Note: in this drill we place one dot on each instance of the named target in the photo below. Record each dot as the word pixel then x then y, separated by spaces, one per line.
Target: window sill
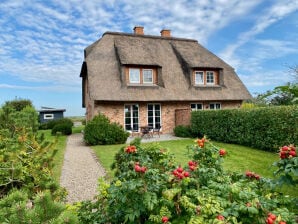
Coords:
pixel 142 85
pixel 207 86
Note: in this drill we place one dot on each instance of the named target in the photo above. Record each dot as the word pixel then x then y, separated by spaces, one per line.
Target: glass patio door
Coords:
pixel 154 115
pixel 131 117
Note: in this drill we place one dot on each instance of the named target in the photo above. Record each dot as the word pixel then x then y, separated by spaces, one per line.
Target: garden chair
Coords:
pixel 156 130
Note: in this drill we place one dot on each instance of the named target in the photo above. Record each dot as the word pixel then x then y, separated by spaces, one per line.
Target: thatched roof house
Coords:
pixel 125 72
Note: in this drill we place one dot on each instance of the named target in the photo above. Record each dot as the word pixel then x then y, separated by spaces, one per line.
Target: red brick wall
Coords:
pixel 115 112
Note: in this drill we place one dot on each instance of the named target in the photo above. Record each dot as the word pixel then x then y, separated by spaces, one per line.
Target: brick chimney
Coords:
pixel 165 33
pixel 138 30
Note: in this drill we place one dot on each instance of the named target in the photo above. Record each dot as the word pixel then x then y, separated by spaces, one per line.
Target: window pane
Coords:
pixel 199 106
pixel 211 106
pixel 131 117
pixel 210 78
pixel 134 75
pixel 147 76
pixel 150 107
pixel 199 78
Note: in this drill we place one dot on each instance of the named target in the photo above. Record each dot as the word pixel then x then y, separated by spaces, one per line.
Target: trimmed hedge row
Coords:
pixel 263 128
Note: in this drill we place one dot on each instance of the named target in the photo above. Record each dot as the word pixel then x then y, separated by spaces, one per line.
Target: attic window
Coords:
pixel 205 78
pixel 210 78
pixel 146 76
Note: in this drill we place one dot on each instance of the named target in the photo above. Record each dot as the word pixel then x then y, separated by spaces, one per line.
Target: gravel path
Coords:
pixel 80 170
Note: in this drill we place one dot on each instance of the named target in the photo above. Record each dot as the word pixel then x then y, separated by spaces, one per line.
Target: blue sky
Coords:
pixel 42 42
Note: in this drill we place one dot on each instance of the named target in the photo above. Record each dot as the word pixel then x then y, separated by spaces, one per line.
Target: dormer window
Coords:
pixel 205 78
pixel 199 77
pixel 141 76
pixel 210 78
pixel 147 76
pixel 134 75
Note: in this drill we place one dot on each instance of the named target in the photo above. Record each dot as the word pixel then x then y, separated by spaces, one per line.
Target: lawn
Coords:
pixel 59 157
pixel 239 158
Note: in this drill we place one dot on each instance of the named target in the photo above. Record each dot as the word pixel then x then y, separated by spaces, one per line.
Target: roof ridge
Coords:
pixel 148 36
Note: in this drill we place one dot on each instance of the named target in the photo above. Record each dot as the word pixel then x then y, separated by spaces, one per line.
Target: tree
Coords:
pixel 282 95
pixel 18 104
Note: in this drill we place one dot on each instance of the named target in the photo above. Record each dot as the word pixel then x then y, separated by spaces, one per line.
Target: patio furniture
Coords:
pixel 156 130
pixel 146 131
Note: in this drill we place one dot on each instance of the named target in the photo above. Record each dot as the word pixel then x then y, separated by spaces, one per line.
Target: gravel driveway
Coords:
pixel 80 170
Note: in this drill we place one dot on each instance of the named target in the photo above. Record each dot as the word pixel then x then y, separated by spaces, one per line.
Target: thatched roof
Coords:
pixel 175 57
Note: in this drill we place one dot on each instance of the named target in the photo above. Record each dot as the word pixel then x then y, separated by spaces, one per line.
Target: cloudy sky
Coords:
pixel 42 41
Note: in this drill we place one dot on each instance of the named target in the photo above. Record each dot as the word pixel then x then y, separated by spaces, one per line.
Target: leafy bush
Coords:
pixel 150 188
pixel 26 163
pixel 182 131
pixel 63 128
pixel 100 131
pixel 51 124
pixel 263 128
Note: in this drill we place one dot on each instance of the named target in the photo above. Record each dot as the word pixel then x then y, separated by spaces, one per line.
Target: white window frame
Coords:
pixel 146 82
pixel 213 77
pixel 196 106
pixel 198 81
pixel 131 75
pixel 48 116
pixel 131 117
pixel 215 106
pixel 160 115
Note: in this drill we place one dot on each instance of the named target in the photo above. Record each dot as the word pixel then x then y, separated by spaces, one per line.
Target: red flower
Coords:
pixel 201 142
pixel 179 169
pixel 248 173
pixel 220 217
pixel 222 152
pixel 138 168
pixel 130 149
pixel 292 153
pixel 186 174
pixel 192 165
pixel 282 222
pixel 287 152
pixel 164 219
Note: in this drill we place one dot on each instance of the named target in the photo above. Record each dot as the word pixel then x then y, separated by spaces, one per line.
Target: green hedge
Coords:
pixel 53 123
pixel 263 128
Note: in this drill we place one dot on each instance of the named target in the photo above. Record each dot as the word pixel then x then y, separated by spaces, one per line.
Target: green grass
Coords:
pixel 78 129
pixel 239 158
pixel 59 157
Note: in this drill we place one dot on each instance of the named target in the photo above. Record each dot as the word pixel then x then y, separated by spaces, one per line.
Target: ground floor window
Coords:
pixel 196 106
pixel 214 106
pixel 154 115
pixel 131 112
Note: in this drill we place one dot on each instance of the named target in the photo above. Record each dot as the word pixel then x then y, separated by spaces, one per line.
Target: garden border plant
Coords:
pixel 150 188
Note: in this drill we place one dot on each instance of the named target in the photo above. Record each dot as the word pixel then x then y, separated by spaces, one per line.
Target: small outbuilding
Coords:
pixel 47 114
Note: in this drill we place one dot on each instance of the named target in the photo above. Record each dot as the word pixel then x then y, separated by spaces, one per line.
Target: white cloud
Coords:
pixel 43 41
pixel 277 12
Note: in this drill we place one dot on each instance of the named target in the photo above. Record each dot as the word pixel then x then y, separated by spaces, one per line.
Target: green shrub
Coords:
pixel 150 188
pixel 100 131
pixel 182 131
pixel 18 208
pixel 51 124
pixel 264 128
pixel 26 162
pixel 63 128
